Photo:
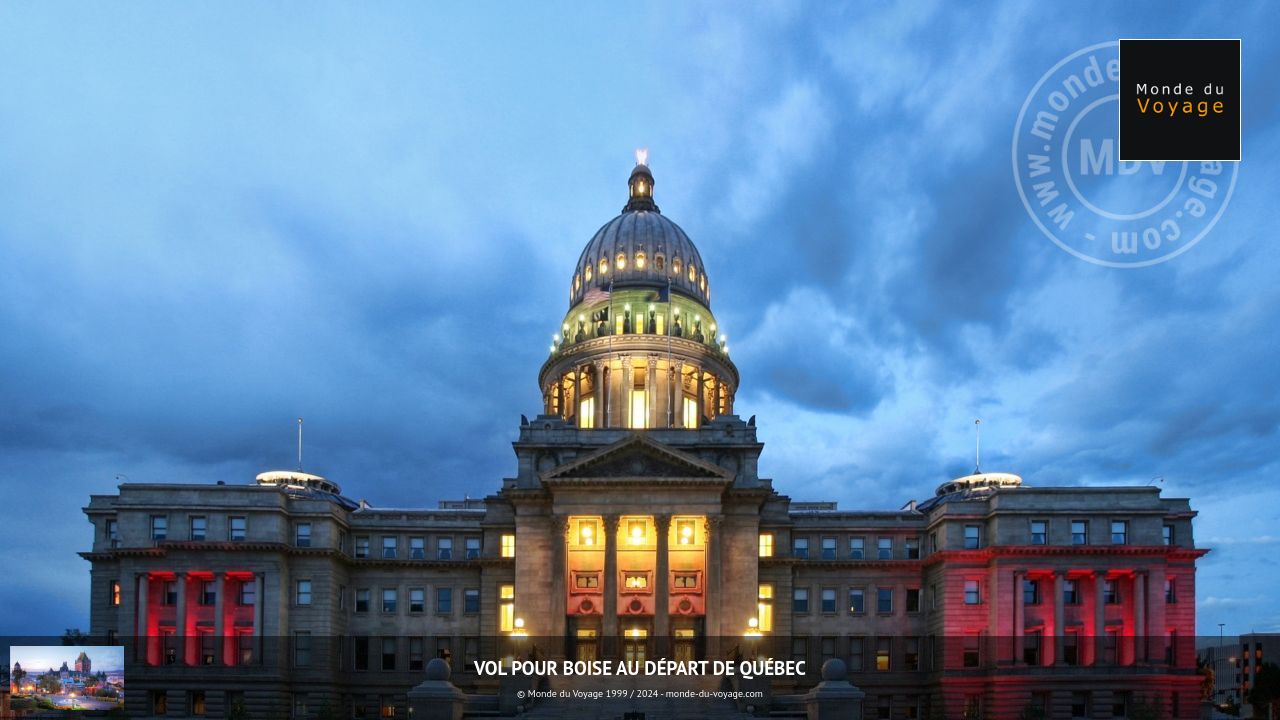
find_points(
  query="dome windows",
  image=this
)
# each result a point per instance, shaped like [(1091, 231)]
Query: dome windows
[(640, 260), (693, 273), (675, 266), (604, 267), (587, 272), (622, 261), (659, 262)]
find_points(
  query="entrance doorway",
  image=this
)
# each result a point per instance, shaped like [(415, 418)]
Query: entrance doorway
[(635, 645), (587, 645), (685, 649)]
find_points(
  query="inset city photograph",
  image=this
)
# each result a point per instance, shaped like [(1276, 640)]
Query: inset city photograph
[(57, 678)]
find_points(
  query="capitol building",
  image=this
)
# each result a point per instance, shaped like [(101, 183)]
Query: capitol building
[(635, 526)]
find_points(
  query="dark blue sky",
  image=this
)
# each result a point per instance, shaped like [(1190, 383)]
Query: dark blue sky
[(215, 219)]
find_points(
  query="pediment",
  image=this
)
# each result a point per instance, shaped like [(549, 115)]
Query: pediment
[(639, 458)]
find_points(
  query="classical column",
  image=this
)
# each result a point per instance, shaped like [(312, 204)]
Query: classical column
[(714, 591), (1059, 634), (626, 381), (219, 630), (600, 392), (662, 589), (577, 395), (560, 408), (702, 392), (259, 600), (610, 620), (677, 395), (1140, 617), (140, 626), (651, 392), (559, 568), (1019, 616), (180, 625), (1099, 616)]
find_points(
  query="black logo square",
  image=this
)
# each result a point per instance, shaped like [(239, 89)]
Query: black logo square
[(1179, 100)]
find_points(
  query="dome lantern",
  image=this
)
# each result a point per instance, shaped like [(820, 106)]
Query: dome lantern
[(640, 185)]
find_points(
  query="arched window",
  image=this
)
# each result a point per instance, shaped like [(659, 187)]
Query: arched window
[(703, 282), (675, 266), (659, 262), (587, 272), (622, 261), (577, 282), (604, 267), (640, 259), (693, 273)]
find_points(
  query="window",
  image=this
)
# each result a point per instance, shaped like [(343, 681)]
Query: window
[(1030, 591), (1079, 532), (417, 653), (686, 581), (764, 606), (389, 546), (361, 653), (342, 597), (113, 531), (417, 548), (159, 702), (1031, 648), (301, 649), (444, 548), (303, 594), (1110, 594), (800, 600), (362, 547), (911, 653), (1071, 648), (388, 655), (800, 548), (1119, 532), (1119, 704), (471, 600), (1171, 648), (828, 600), (972, 537), (828, 548), (303, 535), (766, 544), (913, 548), (417, 600), (972, 650), (857, 601), (113, 592), (1167, 534), (884, 707), (884, 600), (248, 592), (586, 580), (827, 648), (472, 547), (856, 548), (1170, 591), (635, 580), (508, 546), (855, 654), (170, 593), (1079, 705), (199, 524), (196, 702), (208, 592), (913, 600), (389, 599), (1110, 644), (882, 653), (884, 548), (444, 600), (799, 648), (972, 596), (159, 527), (237, 528), (933, 542), (506, 608), (1039, 532), (362, 600), (1070, 593)]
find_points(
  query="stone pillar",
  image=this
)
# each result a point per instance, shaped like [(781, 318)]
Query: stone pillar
[(609, 624), (141, 629), (219, 628), (577, 395), (714, 589), (1059, 634), (180, 623), (651, 393), (1099, 617), (559, 396), (677, 395), (1019, 616), (702, 395), (626, 379), (259, 601), (559, 570), (834, 698), (1141, 637), (600, 391), (436, 698), (1157, 629), (662, 590)]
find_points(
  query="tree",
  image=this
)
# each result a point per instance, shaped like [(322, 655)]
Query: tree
[(73, 636), (1266, 687), (1208, 679)]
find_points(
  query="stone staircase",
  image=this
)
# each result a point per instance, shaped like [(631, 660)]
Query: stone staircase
[(615, 708)]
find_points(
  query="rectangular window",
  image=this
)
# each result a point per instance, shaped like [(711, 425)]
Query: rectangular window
[(884, 600), (799, 648), (1119, 532), (1070, 593), (827, 648), (159, 527), (444, 600), (417, 548), (444, 548), (473, 548), (1119, 704), (1167, 534), (303, 535), (417, 653), (159, 702), (237, 528), (635, 581), (690, 413), (913, 600), (913, 548), (506, 608), (828, 548), (301, 649), (1110, 645), (362, 546), (828, 600), (586, 580), (417, 600), (113, 592), (1031, 648), (766, 544), (855, 654), (444, 650), (686, 581), (508, 546), (1110, 593), (1079, 705), (199, 524), (972, 650), (800, 600), (800, 548), (196, 702), (1170, 591), (248, 592), (389, 546), (113, 532), (587, 413), (170, 593), (1039, 532), (1079, 532), (389, 599), (857, 601), (1171, 648), (764, 606), (884, 707), (304, 592), (857, 548), (471, 600), (361, 653), (1030, 591), (362, 600), (1071, 648), (208, 592), (911, 653), (882, 654), (388, 655), (933, 542), (972, 594), (884, 548), (972, 537)]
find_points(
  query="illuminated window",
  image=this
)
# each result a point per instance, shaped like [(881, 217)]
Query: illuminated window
[(604, 266), (686, 581), (639, 408), (635, 580), (115, 592), (506, 608), (586, 581), (637, 532), (640, 260), (685, 532), (622, 261), (857, 601), (587, 273), (586, 532), (587, 413), (766, 544), (882, 654), (703, 283), (690, 413), (764, 607), (508, 546), (659, 262), (693, 273), (675, 266)]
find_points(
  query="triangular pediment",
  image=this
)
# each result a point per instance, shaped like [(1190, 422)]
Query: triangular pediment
[(637, 457)]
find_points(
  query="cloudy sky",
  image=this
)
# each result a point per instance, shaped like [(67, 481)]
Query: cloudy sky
[(215, 219)]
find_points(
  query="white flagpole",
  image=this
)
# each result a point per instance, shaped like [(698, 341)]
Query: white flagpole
[(299, 444)]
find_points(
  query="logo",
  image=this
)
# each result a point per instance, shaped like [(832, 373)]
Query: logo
[(1066, 164)]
